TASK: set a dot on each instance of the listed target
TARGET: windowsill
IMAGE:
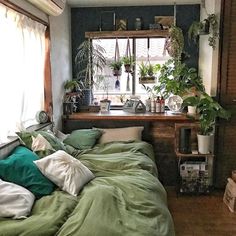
(14, 139)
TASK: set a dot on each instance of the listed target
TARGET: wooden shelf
(127, 34)
(179, 154)
(122, 116)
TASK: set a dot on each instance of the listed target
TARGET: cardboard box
(230, 195)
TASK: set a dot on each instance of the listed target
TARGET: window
(120, 88)
(22, 58)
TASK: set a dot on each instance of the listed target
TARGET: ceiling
(102, 3)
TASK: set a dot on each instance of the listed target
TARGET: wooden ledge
(122, 115)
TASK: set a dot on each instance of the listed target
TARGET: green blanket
(125, 198)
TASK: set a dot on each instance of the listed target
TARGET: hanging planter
(128, 59)
(128, 64)
(207, 26)
(116, 65)
(147, 73)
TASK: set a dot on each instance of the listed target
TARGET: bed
(124, 198)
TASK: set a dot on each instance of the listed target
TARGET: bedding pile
(122, 195)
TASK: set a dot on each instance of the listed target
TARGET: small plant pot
(192, 110)
(147, 80)
(205, 143)
(105, 105)
(128, 68)
(117, 72)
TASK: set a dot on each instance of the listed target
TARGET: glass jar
(138, 24)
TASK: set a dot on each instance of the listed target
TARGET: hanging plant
(174, 44)
(117, 63)
(147, 72)
(128, 59)
(207, 26)
(128, 62)
(116, 67)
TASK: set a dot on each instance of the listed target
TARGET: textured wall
(88, 19)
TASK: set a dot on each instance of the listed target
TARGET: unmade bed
(124, 198)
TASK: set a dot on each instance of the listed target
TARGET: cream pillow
(65, 171)
(15, 201)
(121, 134)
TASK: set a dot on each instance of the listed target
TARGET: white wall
(60, 60)
(208, 58)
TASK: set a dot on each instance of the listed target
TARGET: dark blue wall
(88, 19)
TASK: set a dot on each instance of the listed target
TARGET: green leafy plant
(209, 110)
(128, 60)
(207, 26)
(178, 79)
(116, 65)
(174, 44)
(148, 71)
(89, 59)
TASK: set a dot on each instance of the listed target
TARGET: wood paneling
(226, 136)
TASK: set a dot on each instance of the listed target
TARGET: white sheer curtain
(22, 56)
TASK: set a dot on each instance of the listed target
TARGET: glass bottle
(138, 24)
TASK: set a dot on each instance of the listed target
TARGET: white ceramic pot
(205, 143)
(105, 106)
(192, 110)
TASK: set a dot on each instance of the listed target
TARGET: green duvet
(124, 199)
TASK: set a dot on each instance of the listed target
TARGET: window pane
(120, 88)
(153, 55)
(105, 81)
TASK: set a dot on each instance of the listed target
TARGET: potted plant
(73, 92)
(209, 110)
(105, 102)
(147, 72)
(116, 67)
(128, 63)
(206, 26)
(88, 61)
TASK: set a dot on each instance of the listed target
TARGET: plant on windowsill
(208, 112)
(88, 60)
(206, 26)
(105, 102)
(73, 92)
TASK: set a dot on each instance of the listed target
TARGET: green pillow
(43, 143)
(20, 169)
(83, 138)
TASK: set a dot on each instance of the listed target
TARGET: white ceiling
(103, 3)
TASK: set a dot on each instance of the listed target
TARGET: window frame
(133, 48)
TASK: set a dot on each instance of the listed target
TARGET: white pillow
(65, 171)
(121, 134)
(15, 201)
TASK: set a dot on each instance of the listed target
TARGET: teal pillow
(83, 138)
(20, 169)
(43, 143)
